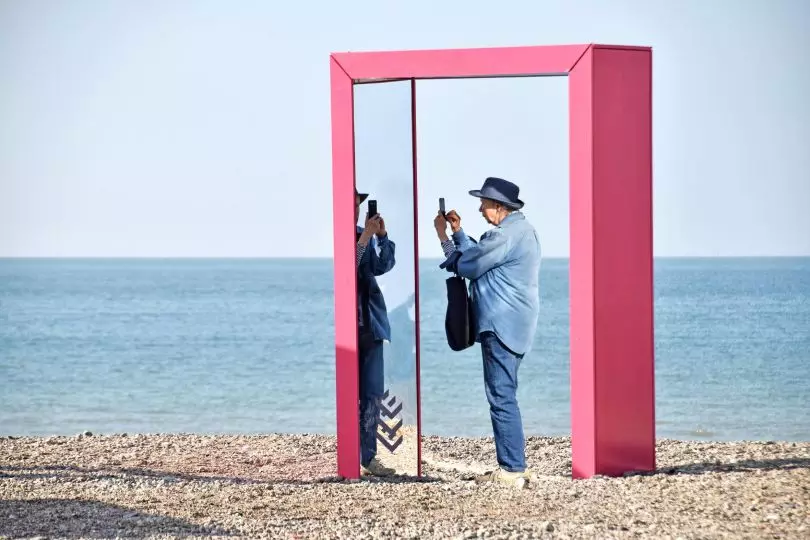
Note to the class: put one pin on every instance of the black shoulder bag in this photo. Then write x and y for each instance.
(458, 321)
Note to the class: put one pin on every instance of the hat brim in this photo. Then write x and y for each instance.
(363, 196)
(514, 205)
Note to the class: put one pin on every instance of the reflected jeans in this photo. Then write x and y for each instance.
(500, 383)
(371, 391)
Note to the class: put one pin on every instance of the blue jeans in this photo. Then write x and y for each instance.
(372, 385)
(501, 382)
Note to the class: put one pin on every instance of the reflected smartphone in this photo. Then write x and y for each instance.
(372, 208)
(441, 205)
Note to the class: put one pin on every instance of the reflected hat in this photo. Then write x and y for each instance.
(363, 196)
(500, 190)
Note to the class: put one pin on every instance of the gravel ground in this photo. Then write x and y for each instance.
(284, 486)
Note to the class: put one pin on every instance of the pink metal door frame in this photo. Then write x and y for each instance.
(611, 245)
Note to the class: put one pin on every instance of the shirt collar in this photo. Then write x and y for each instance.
(516, 215)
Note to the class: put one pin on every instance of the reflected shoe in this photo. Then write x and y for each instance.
(515, 479)
(375, 468)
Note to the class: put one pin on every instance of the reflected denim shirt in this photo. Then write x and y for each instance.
(370, 264)
(503, 268)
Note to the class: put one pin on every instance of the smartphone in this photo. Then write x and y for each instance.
(372, 208)
(441, 205)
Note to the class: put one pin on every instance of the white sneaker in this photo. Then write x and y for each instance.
(375, 468)
(515, 479)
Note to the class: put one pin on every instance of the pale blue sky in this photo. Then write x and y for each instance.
(201, 128)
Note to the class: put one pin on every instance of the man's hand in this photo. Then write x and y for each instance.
(381, 232)
(440, 224)
(372, 228)
(454, 220)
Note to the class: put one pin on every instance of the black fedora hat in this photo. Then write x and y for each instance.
(500, 190)
(363, 196)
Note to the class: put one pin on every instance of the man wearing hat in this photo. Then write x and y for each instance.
(503, 269)
(373, 329)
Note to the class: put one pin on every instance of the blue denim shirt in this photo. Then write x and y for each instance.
(503, 269)
(370, 265)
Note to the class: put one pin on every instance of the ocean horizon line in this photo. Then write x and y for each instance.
(331, 258)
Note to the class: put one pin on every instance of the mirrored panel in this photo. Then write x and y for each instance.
(386, 281)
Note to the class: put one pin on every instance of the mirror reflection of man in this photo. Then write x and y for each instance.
(373, 329)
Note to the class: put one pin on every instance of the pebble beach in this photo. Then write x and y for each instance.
(285, 486)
